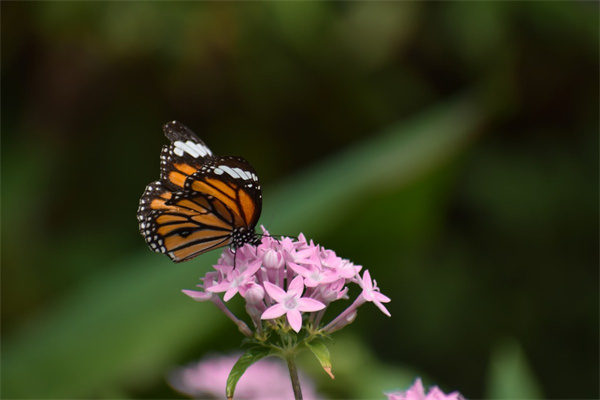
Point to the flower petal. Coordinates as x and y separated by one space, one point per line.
294 319
381 297
367 283
275 292
296 286
198 296
307 304
382 308
230 293
273 312
221 287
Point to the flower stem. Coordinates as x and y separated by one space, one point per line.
333 325
291 363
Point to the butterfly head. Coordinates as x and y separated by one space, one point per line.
241 236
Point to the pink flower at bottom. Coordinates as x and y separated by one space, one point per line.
267 379
417 392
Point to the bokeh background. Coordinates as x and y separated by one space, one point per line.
450 148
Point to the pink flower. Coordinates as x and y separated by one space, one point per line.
417 392
268 379
313 275
235 279
348 270
208 281
371 292
334 291
290 303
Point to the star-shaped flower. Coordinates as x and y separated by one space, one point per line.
235 279
371 292
290 303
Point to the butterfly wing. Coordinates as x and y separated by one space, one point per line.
183 225
202 201
188 164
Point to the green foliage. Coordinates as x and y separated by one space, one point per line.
321 352
510 376
246 360
450 148
106 330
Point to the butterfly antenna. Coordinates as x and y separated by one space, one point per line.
275 237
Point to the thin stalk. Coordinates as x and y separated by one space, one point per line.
291 363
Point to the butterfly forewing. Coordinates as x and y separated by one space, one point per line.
184 156
202 201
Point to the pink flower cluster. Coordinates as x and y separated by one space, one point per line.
288 277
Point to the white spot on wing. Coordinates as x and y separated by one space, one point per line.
243 174
229 171
185 147
202 150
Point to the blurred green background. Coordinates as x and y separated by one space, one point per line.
450 148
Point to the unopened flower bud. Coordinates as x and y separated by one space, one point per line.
273 259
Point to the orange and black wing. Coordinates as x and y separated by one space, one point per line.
183 225
202 201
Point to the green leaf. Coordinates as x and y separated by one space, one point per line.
243 363
322 353
510 376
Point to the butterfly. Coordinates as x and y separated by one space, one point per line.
201 202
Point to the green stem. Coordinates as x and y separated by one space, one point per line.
291 363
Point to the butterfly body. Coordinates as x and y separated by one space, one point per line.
201 202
